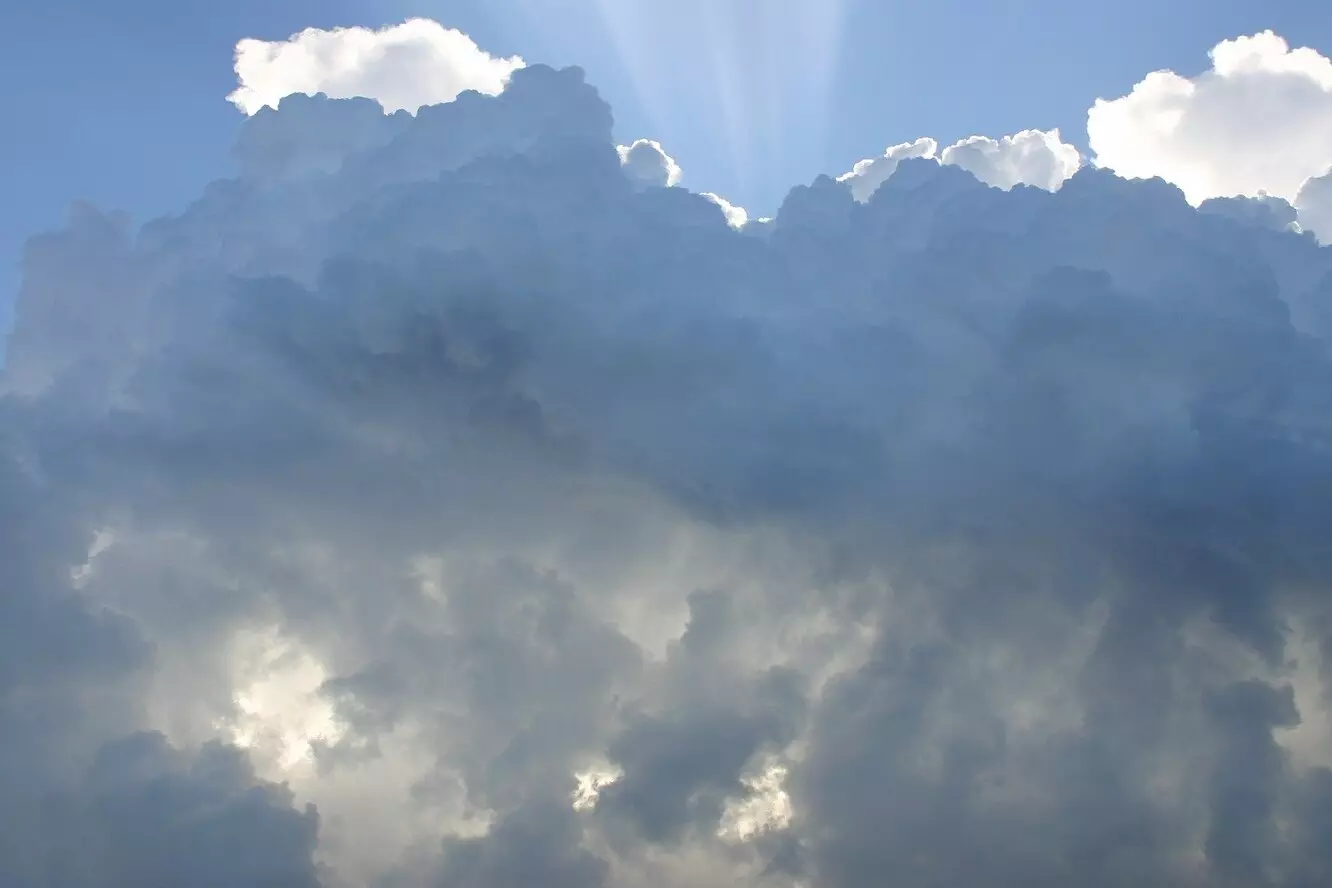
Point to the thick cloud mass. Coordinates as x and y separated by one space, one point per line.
432 504
1314 205
1259 120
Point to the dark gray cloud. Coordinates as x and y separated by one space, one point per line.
88 802
148 815
431 504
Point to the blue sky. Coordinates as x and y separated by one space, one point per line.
122 104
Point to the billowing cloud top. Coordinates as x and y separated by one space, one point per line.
736 217
418 62
1031 157
867 175
432 504
1314 206
647 163
1260 119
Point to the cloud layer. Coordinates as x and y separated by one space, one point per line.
434 504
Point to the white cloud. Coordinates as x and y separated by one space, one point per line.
648 164
1031 157
419 62
1259 120
867 175
1314 205
736 217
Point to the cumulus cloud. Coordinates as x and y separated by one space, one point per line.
1032 157
1258 121
1263 211
1314 206
647 164
434 504
404 66
868 174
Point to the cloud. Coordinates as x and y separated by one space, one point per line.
225 827
736 217
1314 206
1264 211
403 67
647 164
1031 157
359 519
1258 121
867 175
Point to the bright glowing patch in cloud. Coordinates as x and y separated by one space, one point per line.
648 165
280 711
767 807
590 784
1259 120
419 62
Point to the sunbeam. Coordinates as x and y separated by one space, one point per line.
758 74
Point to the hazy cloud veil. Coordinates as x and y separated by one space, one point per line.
442 501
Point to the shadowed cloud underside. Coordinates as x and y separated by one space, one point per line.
448 500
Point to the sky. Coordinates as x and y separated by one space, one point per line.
784 451
124 103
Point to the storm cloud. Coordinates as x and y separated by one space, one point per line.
439 502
